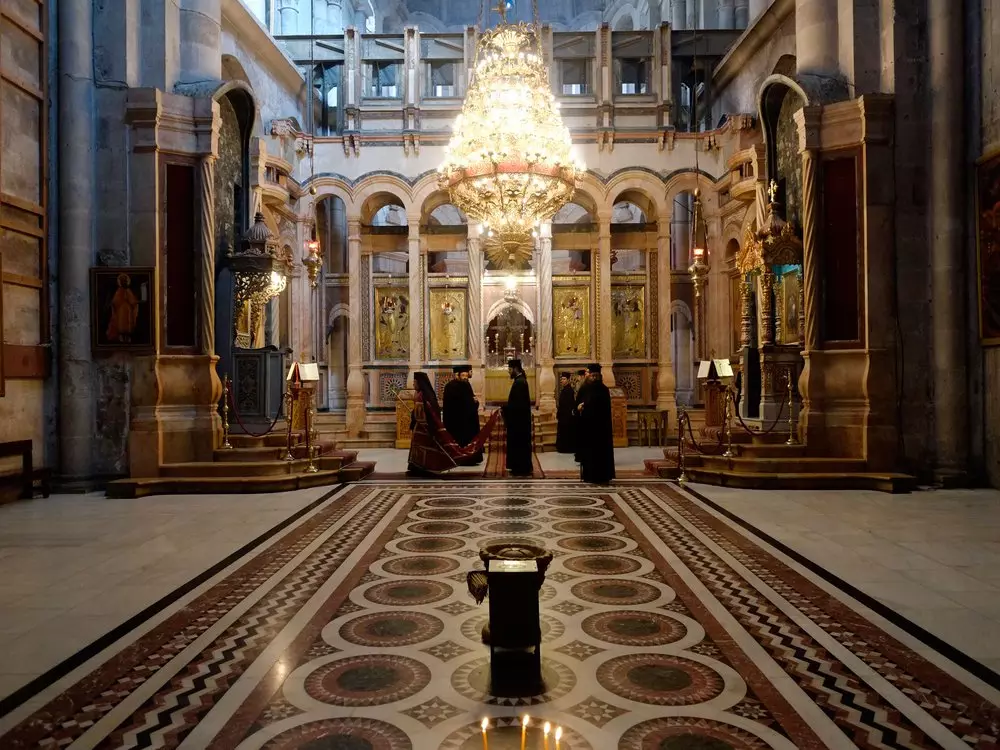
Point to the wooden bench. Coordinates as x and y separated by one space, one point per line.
28 474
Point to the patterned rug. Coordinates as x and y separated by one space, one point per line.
666 626
496 463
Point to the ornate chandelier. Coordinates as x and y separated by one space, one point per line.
509 164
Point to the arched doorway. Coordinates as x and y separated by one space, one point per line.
682 351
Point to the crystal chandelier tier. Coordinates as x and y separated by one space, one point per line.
510 164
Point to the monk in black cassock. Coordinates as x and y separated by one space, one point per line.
597 445
581 394
517 418
565 442
461 409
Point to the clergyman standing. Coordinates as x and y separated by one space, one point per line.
461 409
596 436
566 423
517 418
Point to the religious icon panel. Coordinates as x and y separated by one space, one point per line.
790 292
571 321
447 318
392 323
628 305
121 309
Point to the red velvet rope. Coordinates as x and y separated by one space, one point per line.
236 412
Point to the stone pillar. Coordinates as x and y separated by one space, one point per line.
543 335
76 246
691 16
817 50
476 333
741 14
206 257
605 317
201 39
334 16
947 237
678 14
288 12
727 14
319 17
757 7
666 381
810 385
416 300
355 378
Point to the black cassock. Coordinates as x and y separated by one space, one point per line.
517 418
461 411
564 416
581 397
597 445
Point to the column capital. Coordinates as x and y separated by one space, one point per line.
354 227
413 226
808 123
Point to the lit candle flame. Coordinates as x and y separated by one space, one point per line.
547 728
558 736
485 724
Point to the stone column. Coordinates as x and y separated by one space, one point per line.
947 237
605 317
206 257
319 17
741 14
475 251
691 16
727 14
817 48
355 377
666 381
543 335
335 17
288 12
76 236
416 300
201 38
678 14
810 385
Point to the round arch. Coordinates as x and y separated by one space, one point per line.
688 181
641 200
501 304
376 201
641 188
680 306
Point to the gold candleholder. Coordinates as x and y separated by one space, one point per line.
793 438
311 468
681 416
226 445
730 408
289 456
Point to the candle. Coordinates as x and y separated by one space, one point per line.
524 730
558 736
545 734
485 725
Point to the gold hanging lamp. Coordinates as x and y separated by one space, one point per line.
510 164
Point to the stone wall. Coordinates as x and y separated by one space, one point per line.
989 126
740 96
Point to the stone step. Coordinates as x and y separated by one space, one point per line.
357 471
232 469
765 450
879 482
785 465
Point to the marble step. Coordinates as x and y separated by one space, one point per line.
790 465
879 482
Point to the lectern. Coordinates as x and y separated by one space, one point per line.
715 376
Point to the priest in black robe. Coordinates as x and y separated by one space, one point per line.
461 409
565 419
581 394
517 418
597 445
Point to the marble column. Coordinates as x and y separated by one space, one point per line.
355 377
416 299
206 257
692 14
476 333
76 236
817 49
201 41
666 381
543 335
727 14
947 237
678 14
605 316
810 384
334 16
288 12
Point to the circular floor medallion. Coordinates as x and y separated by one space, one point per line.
583 527
510 514
439 514
390 629
660 679
420 565
505 734
591 543
684 733
552 628
633 627
513 681
599 565
571 502
430 544
449 502
367 680
511 527
408 593
615 592
504 502
342 734
507 540
438 528
577 513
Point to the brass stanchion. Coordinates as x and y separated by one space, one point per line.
311 468
793 438
681 416
225 414
730 408
289 403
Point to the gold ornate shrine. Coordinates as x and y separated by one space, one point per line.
447 318
392 323
571 321
628 335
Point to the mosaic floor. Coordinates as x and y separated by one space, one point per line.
665 627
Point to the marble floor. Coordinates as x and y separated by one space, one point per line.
693 617
627 460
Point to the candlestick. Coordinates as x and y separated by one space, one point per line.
485 725
545 734
524 730
558 736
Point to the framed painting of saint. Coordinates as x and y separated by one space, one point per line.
988 238
790 286
121 309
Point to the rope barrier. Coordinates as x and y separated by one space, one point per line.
239 420
769 430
